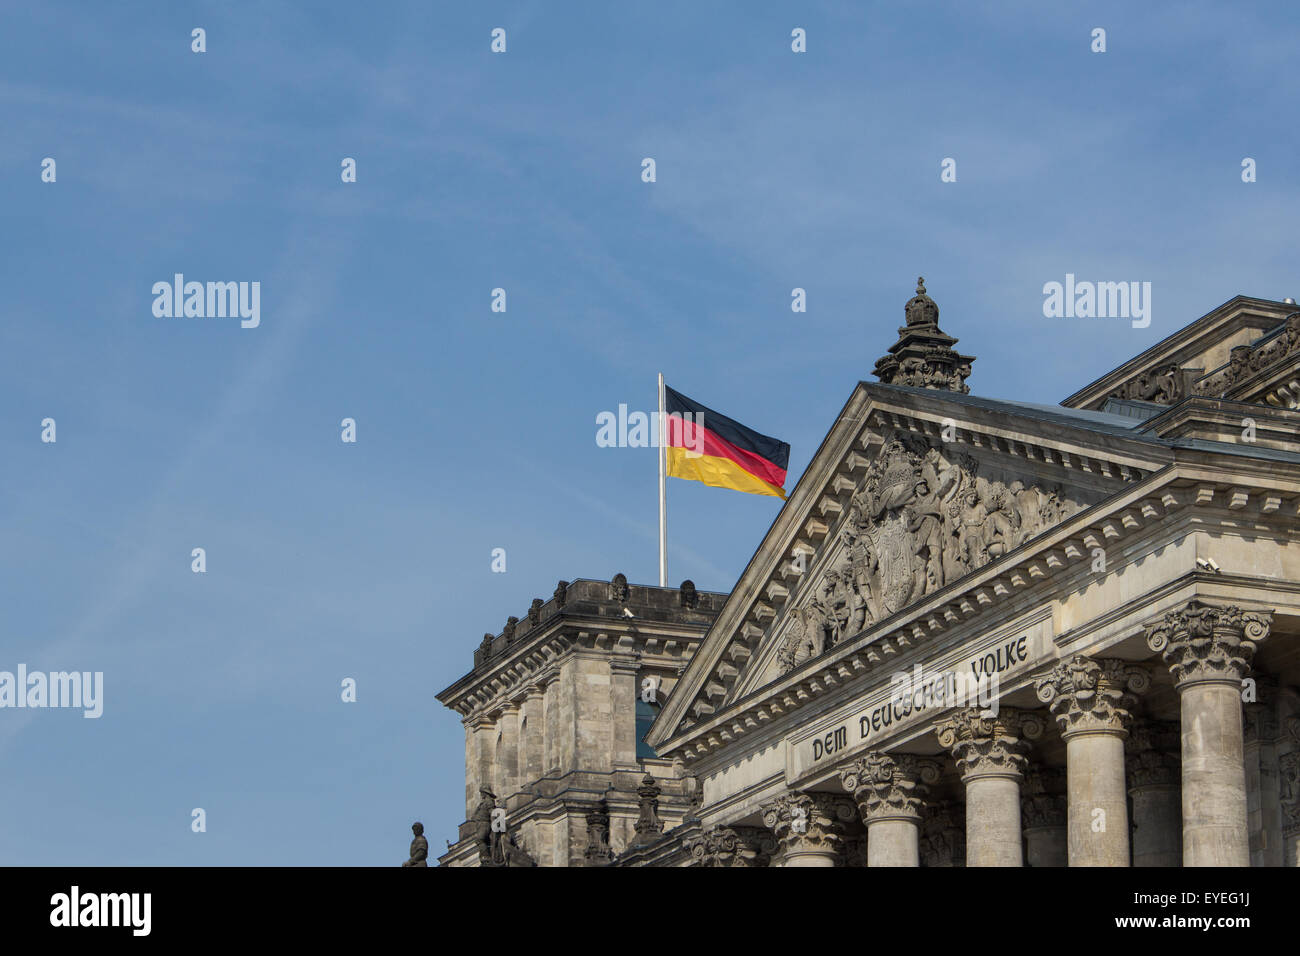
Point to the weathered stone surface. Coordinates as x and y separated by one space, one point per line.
924 356
936 533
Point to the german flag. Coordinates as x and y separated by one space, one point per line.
705 446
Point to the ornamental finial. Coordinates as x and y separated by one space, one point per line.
920 285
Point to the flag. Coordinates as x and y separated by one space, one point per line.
705 446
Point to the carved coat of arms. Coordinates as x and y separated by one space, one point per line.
921 518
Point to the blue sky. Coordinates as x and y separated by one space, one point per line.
475 429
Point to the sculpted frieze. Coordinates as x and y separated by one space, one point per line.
1165 385
1245 360
922 517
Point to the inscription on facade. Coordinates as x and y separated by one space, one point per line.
960 677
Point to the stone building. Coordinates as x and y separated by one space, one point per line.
555 714
988 633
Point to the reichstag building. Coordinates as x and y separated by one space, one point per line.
979 633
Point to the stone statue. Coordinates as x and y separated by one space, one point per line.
419 847
924 521
495 847
515 854
482 820
970 530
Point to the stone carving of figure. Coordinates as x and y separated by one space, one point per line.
1239 363
1053 508
1290 338
1027 503
924 521
419 847
921 518
970 530
1002 528
864 574
840 605
482 820
857 605
814 630
805 639
514 854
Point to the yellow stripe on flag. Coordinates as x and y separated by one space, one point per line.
718 472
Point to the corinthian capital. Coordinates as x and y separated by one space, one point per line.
732 846
890 786
986 743
1090 695
1203 642
808 821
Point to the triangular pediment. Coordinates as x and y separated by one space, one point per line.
912 491
1247 349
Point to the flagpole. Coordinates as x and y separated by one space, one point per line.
663 497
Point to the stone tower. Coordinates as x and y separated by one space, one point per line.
555 710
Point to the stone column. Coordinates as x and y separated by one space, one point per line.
622 700
809 827
484 728
508 758
990 752
1042 811
1093 706
534 734
1208 650
550 684
1153 771
471 769
890 790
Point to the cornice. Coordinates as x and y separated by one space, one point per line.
536 663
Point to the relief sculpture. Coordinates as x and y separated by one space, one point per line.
921 518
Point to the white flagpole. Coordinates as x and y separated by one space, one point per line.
663 497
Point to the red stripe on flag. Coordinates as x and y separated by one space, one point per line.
687 434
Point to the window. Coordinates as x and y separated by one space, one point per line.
646 713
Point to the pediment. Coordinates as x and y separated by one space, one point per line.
912 491
923 514
1241 351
